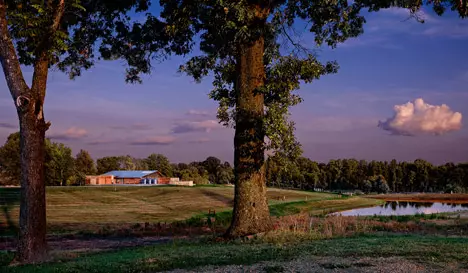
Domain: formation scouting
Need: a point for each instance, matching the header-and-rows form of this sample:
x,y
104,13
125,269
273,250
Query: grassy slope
x,y
83,208
191,255
135,204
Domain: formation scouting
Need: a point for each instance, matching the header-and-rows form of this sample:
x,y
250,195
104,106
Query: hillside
x,y
92,205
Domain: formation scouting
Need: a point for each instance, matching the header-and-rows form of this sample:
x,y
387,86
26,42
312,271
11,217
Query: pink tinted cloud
x,y
155,140
70,134
200,140
7,125
196,126
418,117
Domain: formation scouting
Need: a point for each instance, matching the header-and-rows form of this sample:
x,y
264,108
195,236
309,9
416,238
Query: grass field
x,y
302,240
376,253
71,208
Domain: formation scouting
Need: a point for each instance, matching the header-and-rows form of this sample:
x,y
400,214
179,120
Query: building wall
x,y
131,180
99,180
109,179
164,181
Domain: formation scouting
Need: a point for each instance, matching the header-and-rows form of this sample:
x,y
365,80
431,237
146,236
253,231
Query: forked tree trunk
x,y
251,214
32,246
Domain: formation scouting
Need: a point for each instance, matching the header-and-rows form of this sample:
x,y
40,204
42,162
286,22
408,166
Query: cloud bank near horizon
x,y
71,133
421,118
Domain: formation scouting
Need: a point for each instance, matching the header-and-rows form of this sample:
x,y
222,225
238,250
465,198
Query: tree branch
x,y
8,58
41,65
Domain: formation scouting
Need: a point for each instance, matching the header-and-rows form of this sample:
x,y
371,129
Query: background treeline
x,y
62,168
373,176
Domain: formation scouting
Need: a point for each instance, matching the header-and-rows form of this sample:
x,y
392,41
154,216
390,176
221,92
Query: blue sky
x,y
393,62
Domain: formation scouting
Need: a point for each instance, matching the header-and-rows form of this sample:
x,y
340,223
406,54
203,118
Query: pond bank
x,y
456,198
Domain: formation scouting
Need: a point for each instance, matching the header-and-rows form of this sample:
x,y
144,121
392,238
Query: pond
x,y
405,208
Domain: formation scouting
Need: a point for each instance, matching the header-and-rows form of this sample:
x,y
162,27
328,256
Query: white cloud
x,y
422,118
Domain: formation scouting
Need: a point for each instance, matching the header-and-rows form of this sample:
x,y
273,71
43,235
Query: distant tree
x,y
225,175
107,164
212,165
192,174
367,186
393,177
159,163
84,165
126,162
60,166
10,162
140,164
379,184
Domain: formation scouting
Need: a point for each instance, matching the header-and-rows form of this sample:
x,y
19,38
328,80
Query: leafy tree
x,y
379,184
239,42
160,163
225,174
60,166
84,165
10,162
107,164
193,174
212,164
126,163
69,35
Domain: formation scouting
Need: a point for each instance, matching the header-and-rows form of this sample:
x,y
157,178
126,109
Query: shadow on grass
x,y
218,197
9,199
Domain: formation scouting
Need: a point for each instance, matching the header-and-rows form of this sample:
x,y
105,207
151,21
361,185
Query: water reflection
x,y
406,208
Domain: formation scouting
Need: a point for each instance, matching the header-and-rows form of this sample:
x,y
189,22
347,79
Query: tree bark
x,y
32,245
251,214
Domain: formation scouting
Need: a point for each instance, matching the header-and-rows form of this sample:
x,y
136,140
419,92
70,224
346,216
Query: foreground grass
x,y
75,206
191,255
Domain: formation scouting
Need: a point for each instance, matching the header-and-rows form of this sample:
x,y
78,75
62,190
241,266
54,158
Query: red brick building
x,y
128,177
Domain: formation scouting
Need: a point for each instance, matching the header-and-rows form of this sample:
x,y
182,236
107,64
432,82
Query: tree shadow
x,y
218,197
9,199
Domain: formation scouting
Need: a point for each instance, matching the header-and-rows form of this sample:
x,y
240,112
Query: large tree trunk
x,y
251,214
32,246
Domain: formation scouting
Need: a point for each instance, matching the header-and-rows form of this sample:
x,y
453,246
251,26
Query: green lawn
x,y
91,208
74,205
433,250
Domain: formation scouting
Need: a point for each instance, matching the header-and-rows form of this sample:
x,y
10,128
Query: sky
x,y
361,112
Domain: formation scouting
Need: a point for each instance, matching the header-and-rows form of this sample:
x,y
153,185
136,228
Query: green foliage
x,y
192,173
107,164
218,173
350,174
10,165
160,163
87,32
59,164
84,165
